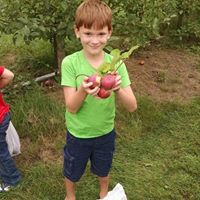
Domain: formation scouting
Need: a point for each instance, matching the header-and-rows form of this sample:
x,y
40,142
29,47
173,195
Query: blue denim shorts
x,y
78,151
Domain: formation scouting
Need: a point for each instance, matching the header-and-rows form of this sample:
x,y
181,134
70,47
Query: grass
x,y
35,114
157,147
36,58
157,151
162,162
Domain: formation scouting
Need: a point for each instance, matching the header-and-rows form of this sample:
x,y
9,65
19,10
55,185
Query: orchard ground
x,y
167,74
157,154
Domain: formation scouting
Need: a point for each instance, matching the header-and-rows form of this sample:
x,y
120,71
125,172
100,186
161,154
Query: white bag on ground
x,y
13,140
117,193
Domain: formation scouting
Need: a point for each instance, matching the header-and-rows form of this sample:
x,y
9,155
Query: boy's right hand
x,y
86,86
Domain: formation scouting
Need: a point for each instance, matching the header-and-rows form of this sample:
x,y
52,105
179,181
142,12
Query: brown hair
x,y
93,13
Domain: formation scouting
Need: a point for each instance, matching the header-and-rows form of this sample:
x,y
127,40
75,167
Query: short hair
x,y
94,13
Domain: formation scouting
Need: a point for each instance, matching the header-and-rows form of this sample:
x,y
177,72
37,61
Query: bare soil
x,y
166,75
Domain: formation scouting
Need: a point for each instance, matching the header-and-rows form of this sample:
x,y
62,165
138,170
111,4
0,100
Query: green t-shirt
x,y
96,116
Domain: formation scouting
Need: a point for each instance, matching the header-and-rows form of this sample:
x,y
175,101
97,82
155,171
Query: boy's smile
x,y
93,40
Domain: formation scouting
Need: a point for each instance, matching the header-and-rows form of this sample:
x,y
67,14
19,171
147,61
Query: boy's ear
x,y
76,31
110,33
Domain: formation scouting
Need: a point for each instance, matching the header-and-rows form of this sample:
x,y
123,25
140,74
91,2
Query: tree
x,y
48,19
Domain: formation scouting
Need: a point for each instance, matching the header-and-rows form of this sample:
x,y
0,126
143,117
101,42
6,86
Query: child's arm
x,y
125,95
5,78
74,98
127,98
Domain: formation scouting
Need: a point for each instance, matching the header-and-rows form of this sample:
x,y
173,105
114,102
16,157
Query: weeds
x,y
34,114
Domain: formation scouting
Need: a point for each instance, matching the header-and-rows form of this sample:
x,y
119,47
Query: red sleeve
x,y
1,70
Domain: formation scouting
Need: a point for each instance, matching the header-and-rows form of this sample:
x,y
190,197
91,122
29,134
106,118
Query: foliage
x,y
50,20
141,21
188,24
134,22
117,56
36,18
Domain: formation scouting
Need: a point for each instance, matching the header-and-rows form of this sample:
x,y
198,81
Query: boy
x,y
9,174
90,120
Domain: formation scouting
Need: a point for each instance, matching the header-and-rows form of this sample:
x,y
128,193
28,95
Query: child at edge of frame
x,y
89,119
9,174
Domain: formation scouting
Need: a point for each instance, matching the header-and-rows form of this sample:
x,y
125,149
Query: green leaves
x,y
127,54
117,56
115,53
104,68
41,17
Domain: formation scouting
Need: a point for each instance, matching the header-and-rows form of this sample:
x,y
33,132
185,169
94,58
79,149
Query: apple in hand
x,y
95,79
108,81
103,93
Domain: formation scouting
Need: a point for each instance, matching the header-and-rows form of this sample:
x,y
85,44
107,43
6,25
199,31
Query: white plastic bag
x,y
13,140
117,193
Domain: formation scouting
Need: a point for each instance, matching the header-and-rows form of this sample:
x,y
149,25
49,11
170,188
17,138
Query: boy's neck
x,y
95,60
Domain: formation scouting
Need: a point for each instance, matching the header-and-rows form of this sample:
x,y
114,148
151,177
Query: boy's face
x,y
93,40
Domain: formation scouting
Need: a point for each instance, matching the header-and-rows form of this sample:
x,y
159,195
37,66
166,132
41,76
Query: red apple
x,y
95,79
108,81
141,62
103,93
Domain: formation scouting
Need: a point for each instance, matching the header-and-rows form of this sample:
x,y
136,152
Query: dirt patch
x,y
166,75
47,152
44,149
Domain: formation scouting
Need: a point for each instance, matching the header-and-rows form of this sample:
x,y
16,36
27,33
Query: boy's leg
x,y
101,160
70,189
76,154
8,170
103,182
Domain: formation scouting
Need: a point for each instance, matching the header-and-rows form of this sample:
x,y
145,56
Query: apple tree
x,y
48,19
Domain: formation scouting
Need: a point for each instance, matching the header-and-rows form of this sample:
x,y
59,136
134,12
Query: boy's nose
x,y
95,39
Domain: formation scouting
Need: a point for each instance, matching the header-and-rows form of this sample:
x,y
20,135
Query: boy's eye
x,y
88,33
102,33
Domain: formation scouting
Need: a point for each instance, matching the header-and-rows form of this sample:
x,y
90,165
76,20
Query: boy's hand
x,y
86,86
117,83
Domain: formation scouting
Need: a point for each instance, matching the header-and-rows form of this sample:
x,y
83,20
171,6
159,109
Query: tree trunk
x,y
59,52
55,47
179,21
180,10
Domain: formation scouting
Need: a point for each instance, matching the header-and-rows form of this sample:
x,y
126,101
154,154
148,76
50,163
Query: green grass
x,y
162,161
35,58
157,151
6,44
36,115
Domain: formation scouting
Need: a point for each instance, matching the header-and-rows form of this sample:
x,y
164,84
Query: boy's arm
x,y
74,98
5,78
126,96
